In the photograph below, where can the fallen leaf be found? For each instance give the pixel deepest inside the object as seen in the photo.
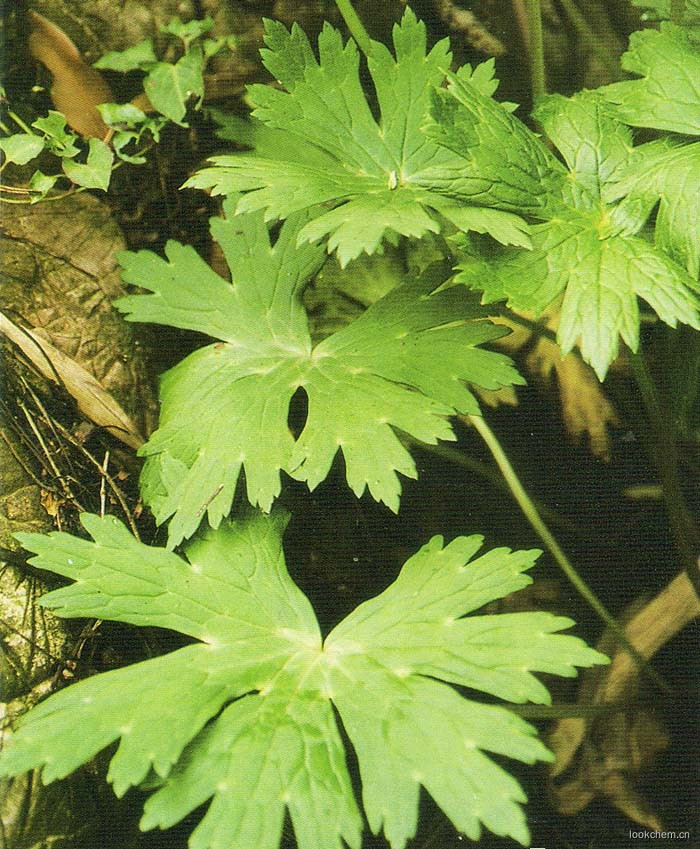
(89, 395)
(77, 89)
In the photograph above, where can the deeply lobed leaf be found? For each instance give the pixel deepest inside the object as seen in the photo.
(667, 172)
(379, 175)
(244, 719)
(668, 96)
(584, 248)
(401, 366)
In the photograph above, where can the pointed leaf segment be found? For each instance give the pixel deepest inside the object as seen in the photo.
(378, 176)
(586, 247)
(401, 366)
(243, 718)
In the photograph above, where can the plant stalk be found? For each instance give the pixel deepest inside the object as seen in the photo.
(677, 11)
(355, 25)
(589, 38)
(684, 529)
(530, 512)
(536, 46)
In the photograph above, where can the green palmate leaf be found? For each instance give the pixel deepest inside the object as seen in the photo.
(585, 247)
(667, 172)
(379, 176)
(244, 717)
(402, 366)
(96, 172)
(668, 96)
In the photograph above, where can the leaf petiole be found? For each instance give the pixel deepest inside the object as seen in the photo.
(355, 25)
(531, 514)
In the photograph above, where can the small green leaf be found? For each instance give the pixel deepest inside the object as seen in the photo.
(668, 96)
(244, 717)
(121, 114)
(140, 56)
(188, 31)
(96, 172)
(170, 87)
(41, 183)
(121, 140)
(401, 366)
(21, 147)
(59, 139)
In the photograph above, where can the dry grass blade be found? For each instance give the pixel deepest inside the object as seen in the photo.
(92, 400)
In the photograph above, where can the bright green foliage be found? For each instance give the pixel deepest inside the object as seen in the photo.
(244, 715)
(171, 85)
(20, 148)
(668, 96)
(400, 366)
(57, 137)
(53, 135)
(96, 172)
(585, 247)
(378, 176)
(668, 172)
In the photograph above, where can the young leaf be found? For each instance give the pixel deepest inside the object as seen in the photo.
(377, 175)
(96, 172)
(41, 183)
(668, 96)
(170, 86)
(243, 717)
(59, 139)
(189, 30)
(401, 366)
(585, 248)
(139, 56)
(21, 148)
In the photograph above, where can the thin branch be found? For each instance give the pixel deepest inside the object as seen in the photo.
(684, 529)
(530, 512)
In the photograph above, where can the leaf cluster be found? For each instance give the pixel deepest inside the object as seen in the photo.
(169, 86)
(51, 134)
(474, 166)
(401, 366)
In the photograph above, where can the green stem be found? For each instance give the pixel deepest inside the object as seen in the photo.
(355, 25)
(683, 526)
(589, 38)
(536, 44)
(530, 512)
(565, 711)
(20, 123)
(488, 473)
(677, 11)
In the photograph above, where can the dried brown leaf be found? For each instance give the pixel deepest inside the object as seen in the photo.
(77, 89)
